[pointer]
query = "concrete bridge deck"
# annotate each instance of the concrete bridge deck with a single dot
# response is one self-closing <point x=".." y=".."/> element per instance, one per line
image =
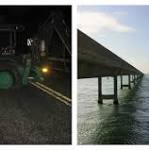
<point x="94" y="60"/>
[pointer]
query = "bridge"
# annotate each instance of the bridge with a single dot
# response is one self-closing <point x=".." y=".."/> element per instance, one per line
<point x="94" y="60"/>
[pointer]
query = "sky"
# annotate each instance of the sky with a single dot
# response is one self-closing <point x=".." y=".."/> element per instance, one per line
<point x="124" y="30"/>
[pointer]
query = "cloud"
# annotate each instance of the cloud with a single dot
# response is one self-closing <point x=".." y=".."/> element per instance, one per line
<point x="99" y="22"/>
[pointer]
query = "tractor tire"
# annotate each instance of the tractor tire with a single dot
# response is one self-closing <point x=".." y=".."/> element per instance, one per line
<point x="10" y="66"/>
<point x="14" y="73"/>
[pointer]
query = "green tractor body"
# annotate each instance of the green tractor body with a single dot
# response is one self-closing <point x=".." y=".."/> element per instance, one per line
<point x="23" y="57"/>
<point x="15" y="70"/>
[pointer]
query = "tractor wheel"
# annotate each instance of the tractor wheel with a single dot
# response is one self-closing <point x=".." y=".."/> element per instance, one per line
<point x="6" y="80"/>
<point x="9" y="79"/>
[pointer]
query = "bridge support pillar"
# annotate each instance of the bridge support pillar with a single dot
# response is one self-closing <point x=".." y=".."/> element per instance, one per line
<point x="126" y="85"/>
<point x="101" y="96"/>
<point x="132" y="79"/>
<point x="121" y="79"/>
<point x="138" y="77"/>
<point x="100" y="100"/>
<point x="135" y="81"/>
<point x="129" y="81"/>
<point x="115" y="90"/>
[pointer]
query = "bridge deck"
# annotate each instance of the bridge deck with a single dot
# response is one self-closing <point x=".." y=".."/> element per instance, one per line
<point x="95" y="60"/>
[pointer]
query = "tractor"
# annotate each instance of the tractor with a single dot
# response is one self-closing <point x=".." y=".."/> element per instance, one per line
<point x="17" y="65"/>
<point x="24" y="58"/>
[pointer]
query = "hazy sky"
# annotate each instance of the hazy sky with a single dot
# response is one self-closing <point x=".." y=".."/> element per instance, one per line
<point x="122" y="29"/>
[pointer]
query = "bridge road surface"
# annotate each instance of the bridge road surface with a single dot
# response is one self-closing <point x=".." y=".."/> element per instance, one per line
<point x="31" y="116"/>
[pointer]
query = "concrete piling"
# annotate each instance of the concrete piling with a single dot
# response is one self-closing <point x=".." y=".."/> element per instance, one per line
<point x="109" y="96"/>
<point x="115" y="90"/>
<point x="121" y="79"/>
<point x="131" y="79"/>
<point x="100" y="100"/>
<point x="126" y="85"/>
<point x="135" y="80"/>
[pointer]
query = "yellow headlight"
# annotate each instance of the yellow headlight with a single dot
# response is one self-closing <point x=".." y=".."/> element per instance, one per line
<point x="45" y="70"/>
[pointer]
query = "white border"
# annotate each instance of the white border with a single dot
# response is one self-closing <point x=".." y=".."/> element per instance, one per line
<point x="112" y="2"/>
<point x="74" y="74"/>
<point x="73" y="11"/>
<point x="74" y="4"/>
<point x="74" y="147"/>
<point x="36" y="2"/>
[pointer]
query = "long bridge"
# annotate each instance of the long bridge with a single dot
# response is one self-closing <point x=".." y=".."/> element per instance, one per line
<point x="94" y="60"/>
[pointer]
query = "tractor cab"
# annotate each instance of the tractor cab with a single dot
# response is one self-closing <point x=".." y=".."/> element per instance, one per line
<point x="8" y="40"/>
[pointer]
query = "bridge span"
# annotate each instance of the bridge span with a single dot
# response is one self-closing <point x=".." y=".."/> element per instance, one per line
<point x="94" y="60"/>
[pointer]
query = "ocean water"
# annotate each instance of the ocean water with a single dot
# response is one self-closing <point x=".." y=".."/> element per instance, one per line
<point x="126" y="123"/>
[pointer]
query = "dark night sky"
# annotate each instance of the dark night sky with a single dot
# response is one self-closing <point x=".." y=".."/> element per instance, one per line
<point x="31" y="16"/>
